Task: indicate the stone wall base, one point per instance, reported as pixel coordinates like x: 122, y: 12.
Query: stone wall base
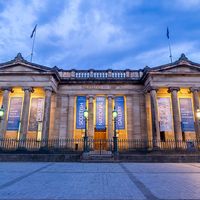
x: 137, y: 158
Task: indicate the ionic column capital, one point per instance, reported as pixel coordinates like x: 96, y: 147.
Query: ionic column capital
x: 48, y: 89
x: 110, y: 96
x: 171, y: 89
x: 152, y: 88
x: 90, y: 98
x: 29, y: 89
x: 7, y: 89
x: 193, y: 89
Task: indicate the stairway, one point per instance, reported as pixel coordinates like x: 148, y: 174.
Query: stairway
x: 98, y: 156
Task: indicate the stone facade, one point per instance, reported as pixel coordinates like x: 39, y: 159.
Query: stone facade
x: 49, y: 97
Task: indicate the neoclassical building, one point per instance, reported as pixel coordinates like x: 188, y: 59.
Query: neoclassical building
x: 159, y: 103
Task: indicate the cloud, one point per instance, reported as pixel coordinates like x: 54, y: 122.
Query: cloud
x: 183, y: 5
x: 16, y: 23
x: 160, y: 56
x: 93, y: 33
x: 83, y: 33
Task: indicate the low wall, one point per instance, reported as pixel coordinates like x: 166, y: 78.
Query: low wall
x: 143, y: 158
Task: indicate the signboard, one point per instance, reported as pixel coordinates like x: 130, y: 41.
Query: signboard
x: 119, y: 106
x: 14, y: 113
x: 187, y: 118
x: 100, y: 112
x: 80, y: 107
x: 36, y: 113
x: 165, y: 115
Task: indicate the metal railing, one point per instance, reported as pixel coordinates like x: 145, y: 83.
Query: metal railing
x: 100, y: 145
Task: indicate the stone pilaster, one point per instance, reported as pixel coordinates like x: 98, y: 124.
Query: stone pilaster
x: 110, y: 119
x: 70, y: 118
x: 176, y: 113
x: 91, y: 116
x: 195, y: 93
x: 129, y: 105
x: 154, y: 113
x: 25, y: 112
x: 5, y: 102
x: 63, y: 117
x: 47, y: 111
x: 136, y: 131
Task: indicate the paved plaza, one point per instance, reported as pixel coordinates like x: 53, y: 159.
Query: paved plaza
x: 37, y: 181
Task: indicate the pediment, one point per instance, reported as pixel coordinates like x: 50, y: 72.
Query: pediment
x: 19, y: 64
x: 181, y: 69
x: 20, y: 68
x: 182, y: 65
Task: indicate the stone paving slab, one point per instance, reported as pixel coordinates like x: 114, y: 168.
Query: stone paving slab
x: 99, y: 181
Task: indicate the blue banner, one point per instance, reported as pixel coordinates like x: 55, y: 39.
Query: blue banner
x: 80, y: 107
x: 119, y: 106
x: 14, y: 113
x: 100, y: 112
x: 187, y: 118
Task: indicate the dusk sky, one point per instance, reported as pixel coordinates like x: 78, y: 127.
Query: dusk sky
x: 100, y: 34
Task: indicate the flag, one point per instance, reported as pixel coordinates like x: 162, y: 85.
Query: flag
x: 167, y: 33
x: 34, y: 30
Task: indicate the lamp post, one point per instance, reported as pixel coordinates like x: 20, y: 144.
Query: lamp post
x: 1, y: 117
x: 85, y: 147
x: 198, y: 117
x: 114, y: 115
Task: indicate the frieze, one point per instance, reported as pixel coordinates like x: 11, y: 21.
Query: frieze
x: 96, y: 87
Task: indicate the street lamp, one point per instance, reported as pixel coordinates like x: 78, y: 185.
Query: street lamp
x: 85, y: 147
x: 114, y: 115
x: 1, y: 112
x: 198, y: 114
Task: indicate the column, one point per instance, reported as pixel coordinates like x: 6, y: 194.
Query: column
x: 70, y: 118
x: 6, y: 92
x: 25, y: 112
x: 176, y: 113
x: 90, y: 116
x: 47, y: 111
x: 196, y: 106
x: 110, y: 119
x: 155, y: 120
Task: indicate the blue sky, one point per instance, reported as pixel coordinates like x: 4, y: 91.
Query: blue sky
x: 100, y: 34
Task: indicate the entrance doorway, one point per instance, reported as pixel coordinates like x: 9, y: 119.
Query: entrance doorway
x: 100, y: 142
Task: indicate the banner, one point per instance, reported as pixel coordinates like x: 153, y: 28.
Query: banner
x: 100, y: 112
x: 80, y: 107
x: 36, y: 113
x: 14, y: 113
x: 165, y: 114
x: 119, y: 106
x: 187, y: 118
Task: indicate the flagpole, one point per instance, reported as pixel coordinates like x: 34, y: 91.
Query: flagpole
x: 170, y: 51
x: 33, y: 44
x: 169, y: 44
